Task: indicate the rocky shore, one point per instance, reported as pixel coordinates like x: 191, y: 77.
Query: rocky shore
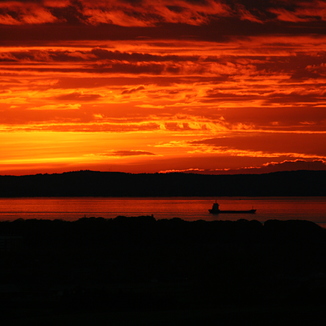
x: 128, y: 267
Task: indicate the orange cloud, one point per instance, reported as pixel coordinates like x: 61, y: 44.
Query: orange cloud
x: 304, y: 12
x: 147, y: 13
x: 24, y: 13
x: 203, y: 85
x: 247, y: 15
x: 128, y: 153
x: 57, y: 3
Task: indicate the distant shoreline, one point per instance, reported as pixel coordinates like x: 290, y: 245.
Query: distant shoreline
x: 118, y: 184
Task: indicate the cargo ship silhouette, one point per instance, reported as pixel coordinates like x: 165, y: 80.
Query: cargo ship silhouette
x: 216, y: 210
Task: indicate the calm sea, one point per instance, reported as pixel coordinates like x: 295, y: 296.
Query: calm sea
x: 190, y: 209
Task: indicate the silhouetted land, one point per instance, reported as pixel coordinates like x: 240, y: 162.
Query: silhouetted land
x: 116, y: 184
x: 142, y: 271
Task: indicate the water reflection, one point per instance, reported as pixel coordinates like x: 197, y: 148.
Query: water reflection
x: 309, y: 208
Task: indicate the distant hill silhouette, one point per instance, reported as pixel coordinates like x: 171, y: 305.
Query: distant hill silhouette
x: 117, y: 184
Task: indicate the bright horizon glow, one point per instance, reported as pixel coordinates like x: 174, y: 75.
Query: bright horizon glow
x: 206, y: 86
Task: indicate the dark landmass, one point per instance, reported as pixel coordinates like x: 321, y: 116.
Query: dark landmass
x: 142, y: 271
x: 116, y: 184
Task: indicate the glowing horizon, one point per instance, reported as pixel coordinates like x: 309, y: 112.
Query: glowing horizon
x: 204, y: 86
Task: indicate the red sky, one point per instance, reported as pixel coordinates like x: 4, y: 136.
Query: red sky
x: 136, y: 86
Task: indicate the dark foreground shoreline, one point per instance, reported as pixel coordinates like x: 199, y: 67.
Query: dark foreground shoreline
x: 142, y: 271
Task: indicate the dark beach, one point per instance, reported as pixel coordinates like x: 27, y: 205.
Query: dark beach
x: 143, y: 271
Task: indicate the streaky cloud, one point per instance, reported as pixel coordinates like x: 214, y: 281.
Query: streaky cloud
x: 128, y: 153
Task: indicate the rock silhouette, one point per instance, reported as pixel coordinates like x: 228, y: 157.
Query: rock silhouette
x: 138, y: 265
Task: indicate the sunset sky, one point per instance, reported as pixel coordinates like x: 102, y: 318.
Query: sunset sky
x: 209, y: 86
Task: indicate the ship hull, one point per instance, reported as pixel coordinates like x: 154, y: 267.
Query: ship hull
x: 250, y: 211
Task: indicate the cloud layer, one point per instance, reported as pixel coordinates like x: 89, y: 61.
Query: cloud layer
x: 176, y: 85
x: 145, y: 13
